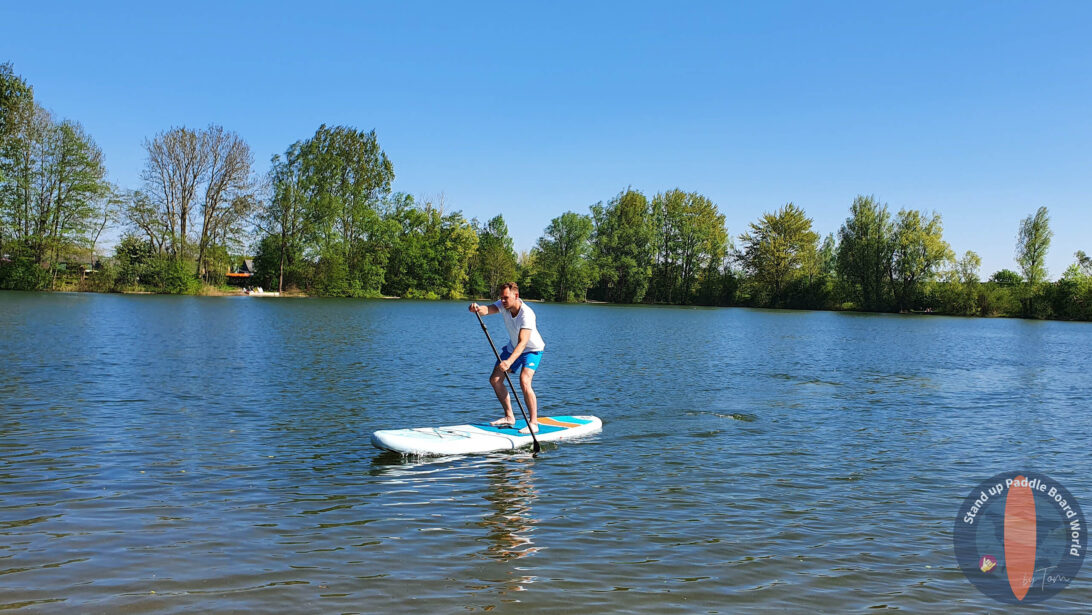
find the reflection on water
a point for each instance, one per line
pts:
(510, 521)
(491, 496)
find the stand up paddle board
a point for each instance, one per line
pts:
(483, 437)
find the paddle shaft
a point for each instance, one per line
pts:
(530, 429)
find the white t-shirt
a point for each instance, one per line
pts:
(524, 319)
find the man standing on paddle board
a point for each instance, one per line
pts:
(524, 343)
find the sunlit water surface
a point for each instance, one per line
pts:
(179, 454)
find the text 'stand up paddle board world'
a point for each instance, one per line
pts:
(482, 438)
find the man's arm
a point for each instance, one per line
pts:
(484, 310)
(524, 337)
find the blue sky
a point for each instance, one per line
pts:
(980, 111)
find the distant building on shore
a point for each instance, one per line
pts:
(242, 274)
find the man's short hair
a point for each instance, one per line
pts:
(510, 286)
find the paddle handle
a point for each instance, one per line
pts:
(530, 429)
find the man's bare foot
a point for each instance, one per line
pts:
(527, 430)
(504, 422)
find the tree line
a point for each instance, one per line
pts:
(675, 249)
(324, 221)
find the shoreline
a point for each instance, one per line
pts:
(216, 292)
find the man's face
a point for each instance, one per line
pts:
(508, 298)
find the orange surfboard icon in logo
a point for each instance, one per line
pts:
(1020, 537)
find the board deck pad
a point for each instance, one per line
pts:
(482, 437)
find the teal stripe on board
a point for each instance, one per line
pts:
(570, 419)
(520, 424)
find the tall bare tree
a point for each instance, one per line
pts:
(146, 217)
(227, 186)
(107, 211)
(190, 173)
(177, 161)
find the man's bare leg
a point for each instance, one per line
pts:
(497, 380)
(529, 396)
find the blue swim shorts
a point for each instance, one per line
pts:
(528, 359)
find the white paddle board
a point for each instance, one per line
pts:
(482, 438)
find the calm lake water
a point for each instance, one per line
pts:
(184, 454)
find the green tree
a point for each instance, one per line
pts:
(283, 221)
(827, 262)
(457, 243)
(331, 274)
(918, 251)
(563, 258)
(217, 263)
(16, 101)
(133, 257)
(345, 175)
(817, 287)
(408, 266)
(1072, 294)
(689, 235)
(959, 290)
(1032, 243)
(79, 179)
(19, 266)
(271, 269)
(865, 252)
(495, 260)
(720, 282)
(528, 275)
(623, 246)
(53, 178)
(15, 93)
(430, 251)
(1084, 262)
(777, 250)
(968, 266)
(22, 123)
(1006, 277)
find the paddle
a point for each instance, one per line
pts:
(481, 322)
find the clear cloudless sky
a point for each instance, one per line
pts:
(981, 111)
